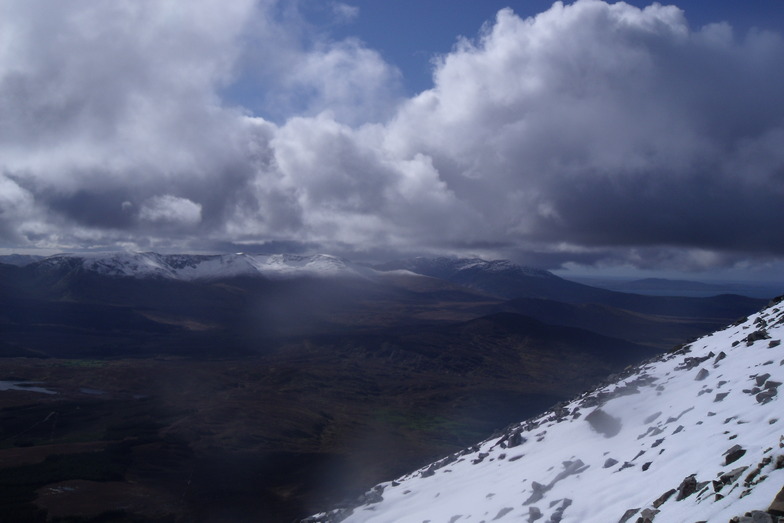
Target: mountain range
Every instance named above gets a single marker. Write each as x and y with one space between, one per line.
267 387
670 287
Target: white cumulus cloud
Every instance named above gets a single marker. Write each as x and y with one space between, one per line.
168 209
590 132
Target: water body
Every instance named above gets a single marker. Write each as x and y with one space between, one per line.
24 385
94 392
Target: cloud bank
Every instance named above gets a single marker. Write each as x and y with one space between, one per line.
591 133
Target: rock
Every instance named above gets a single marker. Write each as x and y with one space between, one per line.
503 512
570 467
732 476
774 343
701 375
733 454
480 457
757 516
689 363
777 506
537 494
557 516
534 514
372 496
761 379
515 439
720 397
766 396
761 334
720 357
609 463
749 479
647 515
687 487
663 498
628 515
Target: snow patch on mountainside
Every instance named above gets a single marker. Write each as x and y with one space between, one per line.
443 267
696 434
205 267
19 259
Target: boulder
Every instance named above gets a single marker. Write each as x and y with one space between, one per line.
761 379
663 498
628 515
687 487
647 515
534 514
766 396
732 476
755 336
777 507
733 454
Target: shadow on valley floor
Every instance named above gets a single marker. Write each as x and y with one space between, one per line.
256 400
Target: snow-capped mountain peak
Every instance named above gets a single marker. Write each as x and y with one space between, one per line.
204 267
449 267
696 434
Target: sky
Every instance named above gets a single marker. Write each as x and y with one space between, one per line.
586 136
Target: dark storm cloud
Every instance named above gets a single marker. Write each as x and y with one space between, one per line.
93 209
592 133
600 126
694 212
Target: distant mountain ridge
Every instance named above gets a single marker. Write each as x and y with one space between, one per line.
499 279
697 289
19 259
200 266
505 279
447 268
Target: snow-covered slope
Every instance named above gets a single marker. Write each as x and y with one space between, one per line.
453 268
19 259
195 267
694 435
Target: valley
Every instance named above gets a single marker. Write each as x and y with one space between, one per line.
253 398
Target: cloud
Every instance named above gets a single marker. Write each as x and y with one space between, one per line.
289 67
592 133
608 126
344 12
168 209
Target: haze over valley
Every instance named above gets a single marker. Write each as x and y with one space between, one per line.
259 256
